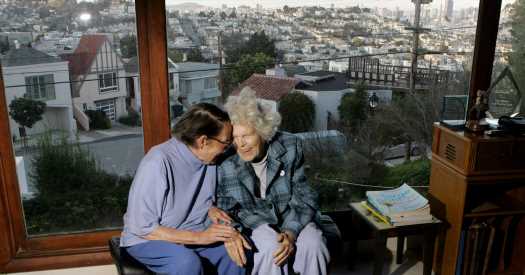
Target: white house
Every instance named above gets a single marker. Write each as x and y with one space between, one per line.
97 74
133 83
197 82
34 74
326 89
194 82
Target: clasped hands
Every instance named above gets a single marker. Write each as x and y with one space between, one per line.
235 242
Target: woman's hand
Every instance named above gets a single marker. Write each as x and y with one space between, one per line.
235 248
217 216
216 233
286 247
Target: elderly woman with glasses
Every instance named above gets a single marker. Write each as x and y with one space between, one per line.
264 190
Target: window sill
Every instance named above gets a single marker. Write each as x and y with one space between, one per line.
61 251
24 264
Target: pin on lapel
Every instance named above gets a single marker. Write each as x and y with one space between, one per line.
282 173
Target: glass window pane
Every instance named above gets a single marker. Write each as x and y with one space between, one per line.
340 74
508 73
77 148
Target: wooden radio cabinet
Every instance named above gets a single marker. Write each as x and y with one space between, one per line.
468 171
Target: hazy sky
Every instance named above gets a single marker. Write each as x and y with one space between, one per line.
402 4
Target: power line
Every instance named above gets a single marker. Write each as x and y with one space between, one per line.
231 66
365 185
225 67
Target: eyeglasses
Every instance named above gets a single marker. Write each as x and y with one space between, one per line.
227 143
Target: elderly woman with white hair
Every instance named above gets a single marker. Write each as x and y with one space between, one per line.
264 189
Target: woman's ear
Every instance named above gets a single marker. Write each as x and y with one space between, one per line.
200 142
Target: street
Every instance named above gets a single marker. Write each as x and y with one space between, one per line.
118 155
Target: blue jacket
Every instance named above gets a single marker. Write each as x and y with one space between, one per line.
290 202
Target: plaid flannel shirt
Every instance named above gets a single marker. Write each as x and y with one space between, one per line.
290 202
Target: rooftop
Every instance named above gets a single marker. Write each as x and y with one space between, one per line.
27 56
268 87
81 59
323 81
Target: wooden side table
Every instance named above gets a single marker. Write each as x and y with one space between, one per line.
382 231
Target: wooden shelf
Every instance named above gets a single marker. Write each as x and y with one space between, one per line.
495 213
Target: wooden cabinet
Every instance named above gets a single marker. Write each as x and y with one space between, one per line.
467 171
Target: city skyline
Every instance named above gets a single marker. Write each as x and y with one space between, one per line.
391 4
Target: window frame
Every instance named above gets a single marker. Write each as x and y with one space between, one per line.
41 86
18 252
210 80
102 79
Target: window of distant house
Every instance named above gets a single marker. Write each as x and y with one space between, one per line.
107 82
187 86
170 79
210 83
40 87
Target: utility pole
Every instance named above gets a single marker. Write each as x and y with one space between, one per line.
417 30
221 74
413 70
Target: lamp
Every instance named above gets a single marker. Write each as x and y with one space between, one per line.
373 101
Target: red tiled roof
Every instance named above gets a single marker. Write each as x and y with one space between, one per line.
268 86
81 59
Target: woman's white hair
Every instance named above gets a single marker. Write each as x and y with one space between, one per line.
246 109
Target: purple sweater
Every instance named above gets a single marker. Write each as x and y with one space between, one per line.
172 188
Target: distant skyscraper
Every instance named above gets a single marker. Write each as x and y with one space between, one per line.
449 9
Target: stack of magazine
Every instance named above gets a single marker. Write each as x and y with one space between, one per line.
400 206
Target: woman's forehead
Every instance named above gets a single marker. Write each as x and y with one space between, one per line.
243 129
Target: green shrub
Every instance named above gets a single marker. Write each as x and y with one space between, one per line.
415 172
330 178
131 119
74 194
98 119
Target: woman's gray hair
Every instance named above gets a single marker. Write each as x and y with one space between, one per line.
246 109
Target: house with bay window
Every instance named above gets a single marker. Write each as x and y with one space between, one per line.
33 74
98 83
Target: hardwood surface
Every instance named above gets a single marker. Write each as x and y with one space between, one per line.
153 61
457 185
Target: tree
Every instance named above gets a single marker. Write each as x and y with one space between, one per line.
223 15
259 42
26 112
128 46
195 55
297 112
175 55
248 65
517 57
353 109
